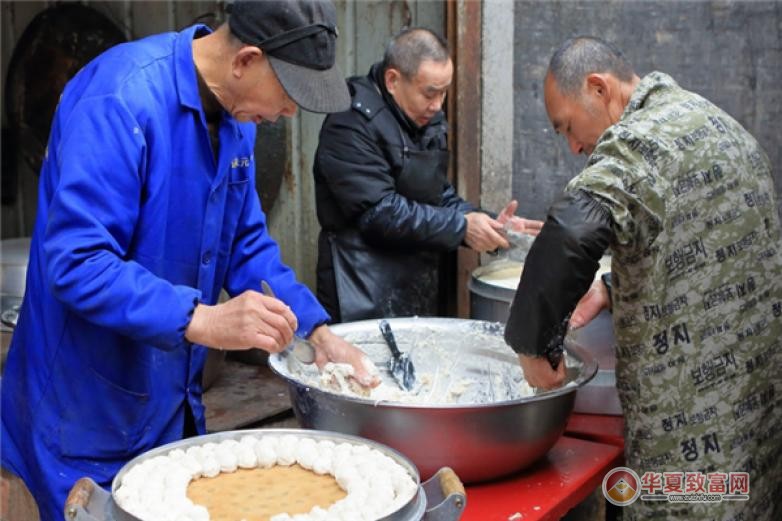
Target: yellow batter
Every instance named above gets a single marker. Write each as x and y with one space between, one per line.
258 494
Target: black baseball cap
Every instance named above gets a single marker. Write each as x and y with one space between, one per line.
299 38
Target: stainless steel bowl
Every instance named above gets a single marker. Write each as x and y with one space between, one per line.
480 441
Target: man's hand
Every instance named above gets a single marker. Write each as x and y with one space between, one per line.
333 348
483 233
538 372
509 221
594 300
247 321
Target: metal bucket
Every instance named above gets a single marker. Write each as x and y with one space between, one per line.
441 498
492 288
14 256
479 441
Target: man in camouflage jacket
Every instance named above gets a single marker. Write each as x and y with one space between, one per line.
683 197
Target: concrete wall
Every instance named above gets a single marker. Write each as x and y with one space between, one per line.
498 104
728 51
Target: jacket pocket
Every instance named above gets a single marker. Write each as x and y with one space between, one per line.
105 428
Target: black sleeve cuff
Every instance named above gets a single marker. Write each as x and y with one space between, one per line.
558 270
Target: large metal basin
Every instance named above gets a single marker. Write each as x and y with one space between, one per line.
479 441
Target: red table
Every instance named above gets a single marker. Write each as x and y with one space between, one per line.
603 428
568 474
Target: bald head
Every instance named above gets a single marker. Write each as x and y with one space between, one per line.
410 47
587 88
584 55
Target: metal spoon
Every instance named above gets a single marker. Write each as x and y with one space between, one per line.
299 348
400 365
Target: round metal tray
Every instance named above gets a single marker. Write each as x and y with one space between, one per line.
444 500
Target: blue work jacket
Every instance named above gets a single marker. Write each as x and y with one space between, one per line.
137 222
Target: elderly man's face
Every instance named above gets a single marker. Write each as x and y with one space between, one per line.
256 94
422 96
581 119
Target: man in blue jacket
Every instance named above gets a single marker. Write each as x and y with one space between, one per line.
147 209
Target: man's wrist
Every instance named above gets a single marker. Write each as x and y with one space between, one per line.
196 330
319 334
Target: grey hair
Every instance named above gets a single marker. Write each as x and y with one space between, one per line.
411 46
583 55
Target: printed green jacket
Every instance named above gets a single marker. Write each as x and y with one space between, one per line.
697 297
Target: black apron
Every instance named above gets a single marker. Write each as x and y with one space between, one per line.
375 283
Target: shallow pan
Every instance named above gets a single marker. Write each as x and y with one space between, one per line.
441 498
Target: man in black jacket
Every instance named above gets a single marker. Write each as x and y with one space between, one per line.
384 204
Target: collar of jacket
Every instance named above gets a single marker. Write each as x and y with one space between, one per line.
371 96
649 86
186 78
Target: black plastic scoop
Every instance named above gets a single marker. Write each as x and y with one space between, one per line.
400 365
